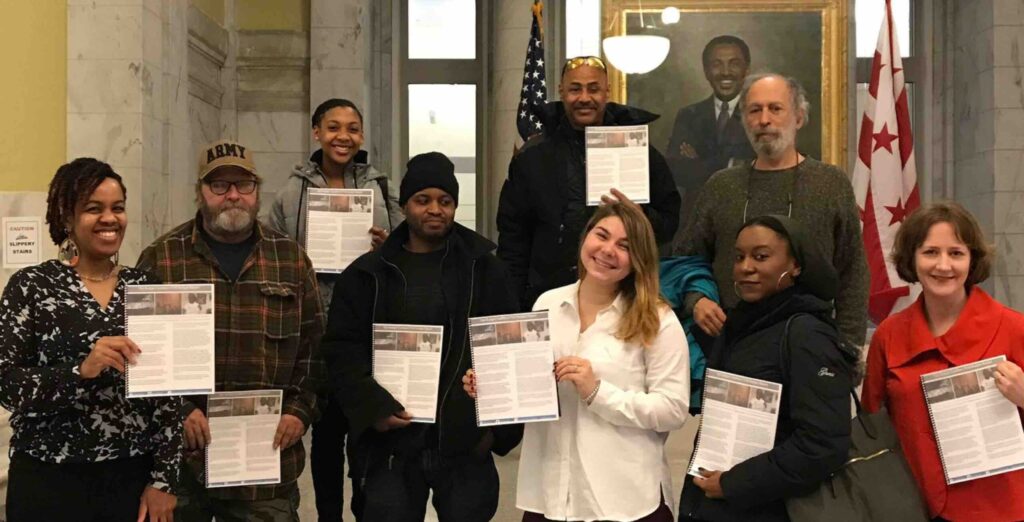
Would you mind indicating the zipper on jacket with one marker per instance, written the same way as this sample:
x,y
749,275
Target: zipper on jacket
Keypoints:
x,y
462,354
373,317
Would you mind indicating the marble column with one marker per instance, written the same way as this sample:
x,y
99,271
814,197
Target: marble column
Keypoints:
x,y
511,33
126,104
339,50
988,145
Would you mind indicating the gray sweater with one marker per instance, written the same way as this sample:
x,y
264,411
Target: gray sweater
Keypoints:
x,y
822,202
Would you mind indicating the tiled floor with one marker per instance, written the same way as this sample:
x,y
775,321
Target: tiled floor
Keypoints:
x,y
680,445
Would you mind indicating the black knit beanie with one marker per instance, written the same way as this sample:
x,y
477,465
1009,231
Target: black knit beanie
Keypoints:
x,y
429,170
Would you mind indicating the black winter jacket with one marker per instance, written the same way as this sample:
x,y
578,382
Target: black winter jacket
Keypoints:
x,y
539,225
813,435
475,284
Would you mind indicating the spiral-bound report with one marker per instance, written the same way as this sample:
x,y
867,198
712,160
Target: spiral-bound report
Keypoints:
x,y
242,429
740,416
513,360
977,429
407,363
173,326
338,225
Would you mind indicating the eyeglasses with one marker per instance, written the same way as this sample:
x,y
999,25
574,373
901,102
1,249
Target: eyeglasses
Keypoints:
x,y
580,61
246,186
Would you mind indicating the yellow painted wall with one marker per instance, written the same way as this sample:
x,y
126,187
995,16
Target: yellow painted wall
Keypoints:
x,y
271,15
33,93
212,8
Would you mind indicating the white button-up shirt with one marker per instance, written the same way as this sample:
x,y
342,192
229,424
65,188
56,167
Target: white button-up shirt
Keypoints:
x,y
606,461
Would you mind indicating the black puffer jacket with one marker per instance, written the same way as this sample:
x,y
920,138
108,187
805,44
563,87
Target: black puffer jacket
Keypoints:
x,y
542,209
475,284
813,434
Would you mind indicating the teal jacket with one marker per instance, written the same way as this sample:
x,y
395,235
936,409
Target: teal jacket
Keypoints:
x,y
679,276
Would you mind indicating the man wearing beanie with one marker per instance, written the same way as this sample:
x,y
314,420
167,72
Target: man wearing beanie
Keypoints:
x,y
430,270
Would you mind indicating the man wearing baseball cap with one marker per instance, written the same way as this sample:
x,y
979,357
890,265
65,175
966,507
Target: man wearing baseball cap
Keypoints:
x,y
269,320
430,270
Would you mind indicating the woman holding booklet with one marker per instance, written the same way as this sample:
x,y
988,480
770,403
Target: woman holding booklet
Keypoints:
x,y
952,323
623,373
81,450
338,163
781,331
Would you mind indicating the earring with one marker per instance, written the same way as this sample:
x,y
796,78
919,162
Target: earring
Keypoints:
x,y
67,252
779,282
117,257
736,289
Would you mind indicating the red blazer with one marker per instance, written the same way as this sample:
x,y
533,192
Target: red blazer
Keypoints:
x,y
901,350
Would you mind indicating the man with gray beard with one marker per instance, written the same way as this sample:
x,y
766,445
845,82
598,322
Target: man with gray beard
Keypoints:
x,y
268,318
779,181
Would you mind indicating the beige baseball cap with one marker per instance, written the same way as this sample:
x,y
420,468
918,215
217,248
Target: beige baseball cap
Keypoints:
x,y
225,153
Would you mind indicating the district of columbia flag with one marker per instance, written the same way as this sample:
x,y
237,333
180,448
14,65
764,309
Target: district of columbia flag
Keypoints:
x,y
884,178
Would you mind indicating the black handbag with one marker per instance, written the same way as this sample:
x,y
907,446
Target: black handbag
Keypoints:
x,y
875,483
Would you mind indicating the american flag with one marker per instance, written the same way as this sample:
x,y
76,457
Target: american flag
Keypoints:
x,y
885,178
534,95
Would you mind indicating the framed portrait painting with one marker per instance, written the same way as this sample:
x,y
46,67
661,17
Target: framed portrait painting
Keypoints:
x,y
714,45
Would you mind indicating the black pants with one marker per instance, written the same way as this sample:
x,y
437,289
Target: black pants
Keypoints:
x,y
327,461
106,491
465,489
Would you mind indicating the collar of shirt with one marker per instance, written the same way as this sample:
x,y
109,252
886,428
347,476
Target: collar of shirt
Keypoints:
x,y
965,342
732,105
571,298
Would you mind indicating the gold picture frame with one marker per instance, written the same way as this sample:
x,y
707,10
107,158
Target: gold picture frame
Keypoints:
x,y
775,24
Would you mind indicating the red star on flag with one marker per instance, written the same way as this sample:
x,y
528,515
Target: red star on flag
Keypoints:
x,y
899,213
884,139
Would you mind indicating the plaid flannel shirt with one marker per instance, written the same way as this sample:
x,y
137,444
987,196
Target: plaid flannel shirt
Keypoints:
x,y
268,328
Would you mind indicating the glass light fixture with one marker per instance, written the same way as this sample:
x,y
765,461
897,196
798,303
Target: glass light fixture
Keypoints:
x,y
669,15
636,54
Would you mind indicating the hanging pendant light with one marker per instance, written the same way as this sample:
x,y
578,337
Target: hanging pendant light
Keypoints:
x,y
636,53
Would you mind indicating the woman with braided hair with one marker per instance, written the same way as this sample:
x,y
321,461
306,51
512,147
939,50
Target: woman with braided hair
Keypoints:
x,y
81,450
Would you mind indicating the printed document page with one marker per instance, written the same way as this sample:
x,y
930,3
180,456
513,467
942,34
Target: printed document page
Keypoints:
x,y
740,415
617,157
173,326
978,429
513,361
242,429
338,225
407,363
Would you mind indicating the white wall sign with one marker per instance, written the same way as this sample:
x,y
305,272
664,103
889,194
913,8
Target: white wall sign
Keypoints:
x,y
21,241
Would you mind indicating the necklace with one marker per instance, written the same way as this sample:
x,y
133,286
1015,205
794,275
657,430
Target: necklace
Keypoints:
x,y
91,279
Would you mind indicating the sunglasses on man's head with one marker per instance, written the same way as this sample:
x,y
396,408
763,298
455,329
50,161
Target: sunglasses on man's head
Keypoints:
x,y
580,61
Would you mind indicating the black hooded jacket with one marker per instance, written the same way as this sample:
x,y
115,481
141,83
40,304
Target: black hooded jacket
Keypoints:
x,y
542,209
370,290
816,372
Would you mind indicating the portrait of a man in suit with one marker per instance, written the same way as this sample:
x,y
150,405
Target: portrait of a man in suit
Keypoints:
x,y
708,136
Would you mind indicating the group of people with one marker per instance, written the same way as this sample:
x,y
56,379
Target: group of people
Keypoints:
x,y
776,236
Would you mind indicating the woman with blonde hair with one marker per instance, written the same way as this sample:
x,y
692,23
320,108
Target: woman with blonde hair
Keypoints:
x,y
623,383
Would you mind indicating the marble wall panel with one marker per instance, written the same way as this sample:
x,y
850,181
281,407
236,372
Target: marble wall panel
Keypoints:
x,y
1008,213
339,83
1008,12
1009,170
336,13
103,86
113,137
153,42
274,131
105,32
332,48
1008,290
